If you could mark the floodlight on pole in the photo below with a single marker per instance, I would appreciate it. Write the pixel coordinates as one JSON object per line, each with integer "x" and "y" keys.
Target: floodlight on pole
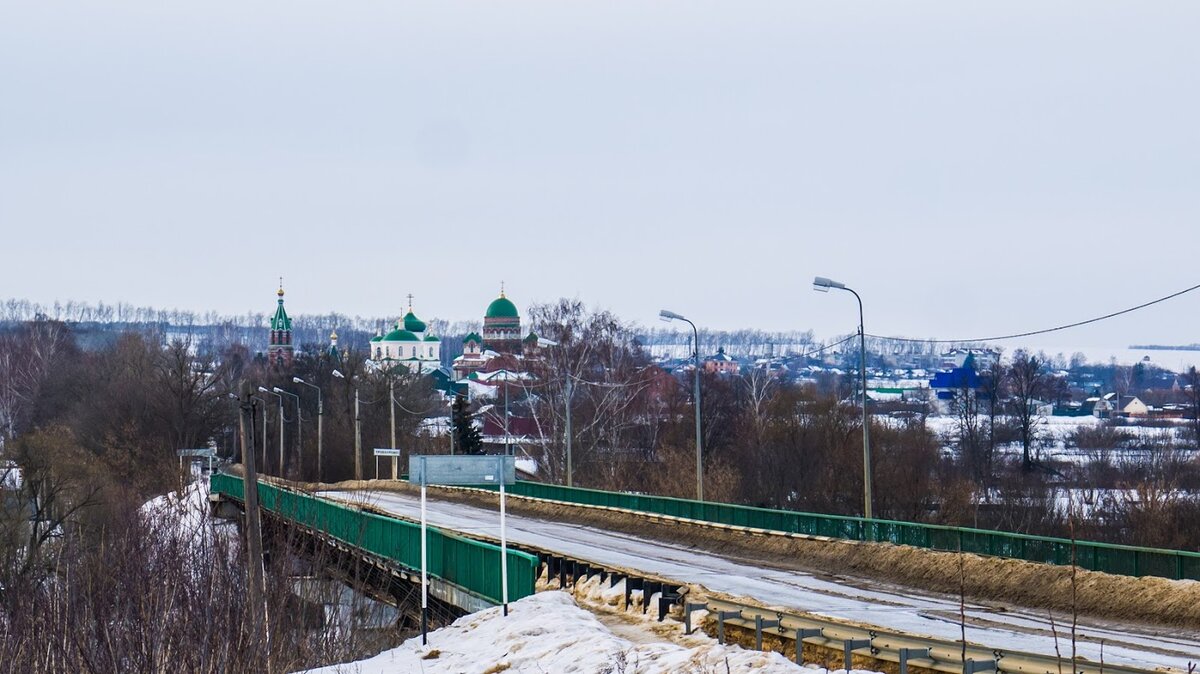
{"x": 672, "y": 316}
{"x": 822, "y": 284}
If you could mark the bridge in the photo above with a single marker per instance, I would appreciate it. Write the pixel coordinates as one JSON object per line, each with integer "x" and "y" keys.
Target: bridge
{"x": 681, "y": 560}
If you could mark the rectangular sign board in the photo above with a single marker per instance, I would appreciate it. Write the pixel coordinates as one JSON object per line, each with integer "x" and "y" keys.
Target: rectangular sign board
{"x": 204, "y": 452}
{"x": 462, "y": 470}
{"x": 386, "y": 452}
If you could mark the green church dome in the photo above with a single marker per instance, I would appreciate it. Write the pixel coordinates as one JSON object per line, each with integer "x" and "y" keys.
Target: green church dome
{"x": 502, "y": 307}
{"x": 401, "y": 336}
{"x": 412, "y": 323}
{"x": 431, "y": 338}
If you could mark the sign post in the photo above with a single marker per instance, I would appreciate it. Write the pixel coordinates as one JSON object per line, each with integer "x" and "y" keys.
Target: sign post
{"x": 465, "y": 470}
{"x": 424, "y": 561}
{"x": 503, "y": 537}
{"x": 203, "y": 453}
{"x": 383, "y": 451}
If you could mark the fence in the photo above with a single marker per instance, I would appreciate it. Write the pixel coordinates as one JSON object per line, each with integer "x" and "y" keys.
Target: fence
{"x": 471, "y": 565}
{"x": 1124, "y": 560}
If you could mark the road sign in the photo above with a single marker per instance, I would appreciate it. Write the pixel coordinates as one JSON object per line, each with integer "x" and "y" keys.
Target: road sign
{"x": 386, "y": 452}
{"x": 462, "y": 470}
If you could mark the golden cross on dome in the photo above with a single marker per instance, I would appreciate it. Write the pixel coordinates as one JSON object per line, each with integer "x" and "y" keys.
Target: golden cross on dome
{"x": 410, "y": 296}
{"x": 280, "y": 293}
{"x": 502, "y": 288}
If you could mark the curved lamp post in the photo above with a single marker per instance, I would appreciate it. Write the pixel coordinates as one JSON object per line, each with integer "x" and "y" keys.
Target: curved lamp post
{"x": 822, "y": 284}
{"x": 320, "y": 422}
{"x": 269, "y": 391}
{"x": 357, "y": 426}
{"x": 299, "y": 435}
{"x": 672, "y": 316}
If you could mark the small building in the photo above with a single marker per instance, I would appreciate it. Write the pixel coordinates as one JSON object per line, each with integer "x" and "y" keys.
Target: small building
{"x": 721, "y": 363}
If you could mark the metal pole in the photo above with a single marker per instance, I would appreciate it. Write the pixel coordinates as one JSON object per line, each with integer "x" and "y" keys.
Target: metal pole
{"x": 280, "y": 468}
{"x": 866, "y": 422}
{"x": 506, "y": 436}
{"x": 264, "y": 442}
{"x": 392, "y": 406}
{"x": 424, "y": 562}
{"x": 570, "y": 469}
{"x": 320, "y": 433}
{"x": 699, "y": 449}
{"x": 503, "y": 539}
{"x": 357, "y": 438}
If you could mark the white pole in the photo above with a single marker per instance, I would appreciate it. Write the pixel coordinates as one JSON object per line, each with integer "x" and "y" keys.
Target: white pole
{"x": 424, "y": 563}
{"x": 503, "y": 540}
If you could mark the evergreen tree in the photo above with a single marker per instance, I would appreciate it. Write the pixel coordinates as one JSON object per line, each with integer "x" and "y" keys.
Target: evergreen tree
{"x": 467, "y": 438}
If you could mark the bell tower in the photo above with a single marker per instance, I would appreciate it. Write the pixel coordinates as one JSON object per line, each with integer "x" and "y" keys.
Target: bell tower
{"x": 279, "y": 350}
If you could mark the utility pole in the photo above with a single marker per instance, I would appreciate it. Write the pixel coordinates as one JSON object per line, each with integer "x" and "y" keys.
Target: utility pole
{"x": 392, "y": 405}
{"x": 256, "y": 587}
{"x": 570, "y": 470}
{"x": 357, "y": 437}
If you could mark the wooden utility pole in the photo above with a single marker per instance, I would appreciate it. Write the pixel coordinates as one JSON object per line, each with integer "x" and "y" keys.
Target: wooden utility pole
{"x": 257, "y": 600}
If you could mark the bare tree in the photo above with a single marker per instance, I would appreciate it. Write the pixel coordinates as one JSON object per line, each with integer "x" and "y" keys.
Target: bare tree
{"x": 1029, "y": 386}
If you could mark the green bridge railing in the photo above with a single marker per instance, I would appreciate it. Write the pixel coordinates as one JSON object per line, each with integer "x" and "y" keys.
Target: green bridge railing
{"x": 471, "y": 565}
{"x": 1124, "y": 560}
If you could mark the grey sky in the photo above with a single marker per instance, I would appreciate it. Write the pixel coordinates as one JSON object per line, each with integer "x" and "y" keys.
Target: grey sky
{"x": 969, "y": 167}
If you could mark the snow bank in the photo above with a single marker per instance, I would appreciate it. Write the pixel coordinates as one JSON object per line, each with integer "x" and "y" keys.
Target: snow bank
{"x": 548, "y": 632}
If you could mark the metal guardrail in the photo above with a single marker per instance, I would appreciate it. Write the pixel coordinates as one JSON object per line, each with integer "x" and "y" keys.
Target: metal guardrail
{"x": 904, "y": 649}
{"x": 469, "y": 564}
{"x": 1111, "y": 558}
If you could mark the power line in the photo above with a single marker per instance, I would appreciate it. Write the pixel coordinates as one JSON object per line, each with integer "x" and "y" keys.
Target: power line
{"x": 1046, "y": 330}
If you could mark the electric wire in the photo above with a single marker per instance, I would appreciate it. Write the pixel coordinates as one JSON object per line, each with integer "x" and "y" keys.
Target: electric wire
{"x": 1044, "y": 331}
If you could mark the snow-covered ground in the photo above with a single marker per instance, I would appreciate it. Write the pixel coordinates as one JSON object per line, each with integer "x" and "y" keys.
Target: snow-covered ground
{"x": 1054, "y": 437}
{"x": 549, "y": 632}
{"x": 890, "y": 607}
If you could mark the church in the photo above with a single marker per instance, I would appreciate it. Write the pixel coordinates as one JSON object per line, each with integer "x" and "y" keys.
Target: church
{"x": 500, "y": 345}
{"x": 407, "y": 345}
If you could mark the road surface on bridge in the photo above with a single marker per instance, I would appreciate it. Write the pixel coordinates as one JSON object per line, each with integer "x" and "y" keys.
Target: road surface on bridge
{"x": 862, "y": 601}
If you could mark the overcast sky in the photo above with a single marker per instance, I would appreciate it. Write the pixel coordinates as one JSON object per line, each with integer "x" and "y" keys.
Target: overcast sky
{"x": 971, "y": 168}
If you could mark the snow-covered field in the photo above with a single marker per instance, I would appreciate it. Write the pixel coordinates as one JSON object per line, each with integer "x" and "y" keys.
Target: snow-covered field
{"x": 1054, "y": 437}
{"x": 549, "y": 632}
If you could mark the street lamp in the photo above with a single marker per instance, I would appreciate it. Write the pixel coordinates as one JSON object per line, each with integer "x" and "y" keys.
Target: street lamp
{"x": 357, "y": 427}
{"x": 320, "y": 421}
{"x": 822, "y": 284}
{"x": 672, "y": 316}
{"x": 270, "y": 392}
{"x": 299, "y": 434}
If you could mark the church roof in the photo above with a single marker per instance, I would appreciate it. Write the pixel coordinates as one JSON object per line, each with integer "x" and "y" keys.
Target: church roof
{"x": 473, "y": 336}
{"x": 280, "y": 320}
{"x": 432, "y": 338}
{"x": 412, "y": 323}
{"x": 401, "y": 336}
{"x": 502, "y": 307}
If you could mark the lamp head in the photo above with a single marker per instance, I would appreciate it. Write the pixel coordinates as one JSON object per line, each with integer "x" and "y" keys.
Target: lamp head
{"x": 276, "y": 389}
{"x": 822, "y": 284}
{"x": 669, "y": 315}
{"x": 338, "y": 374}
{"x": 263, "y": 389}
{"x": 297, "y": 380}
